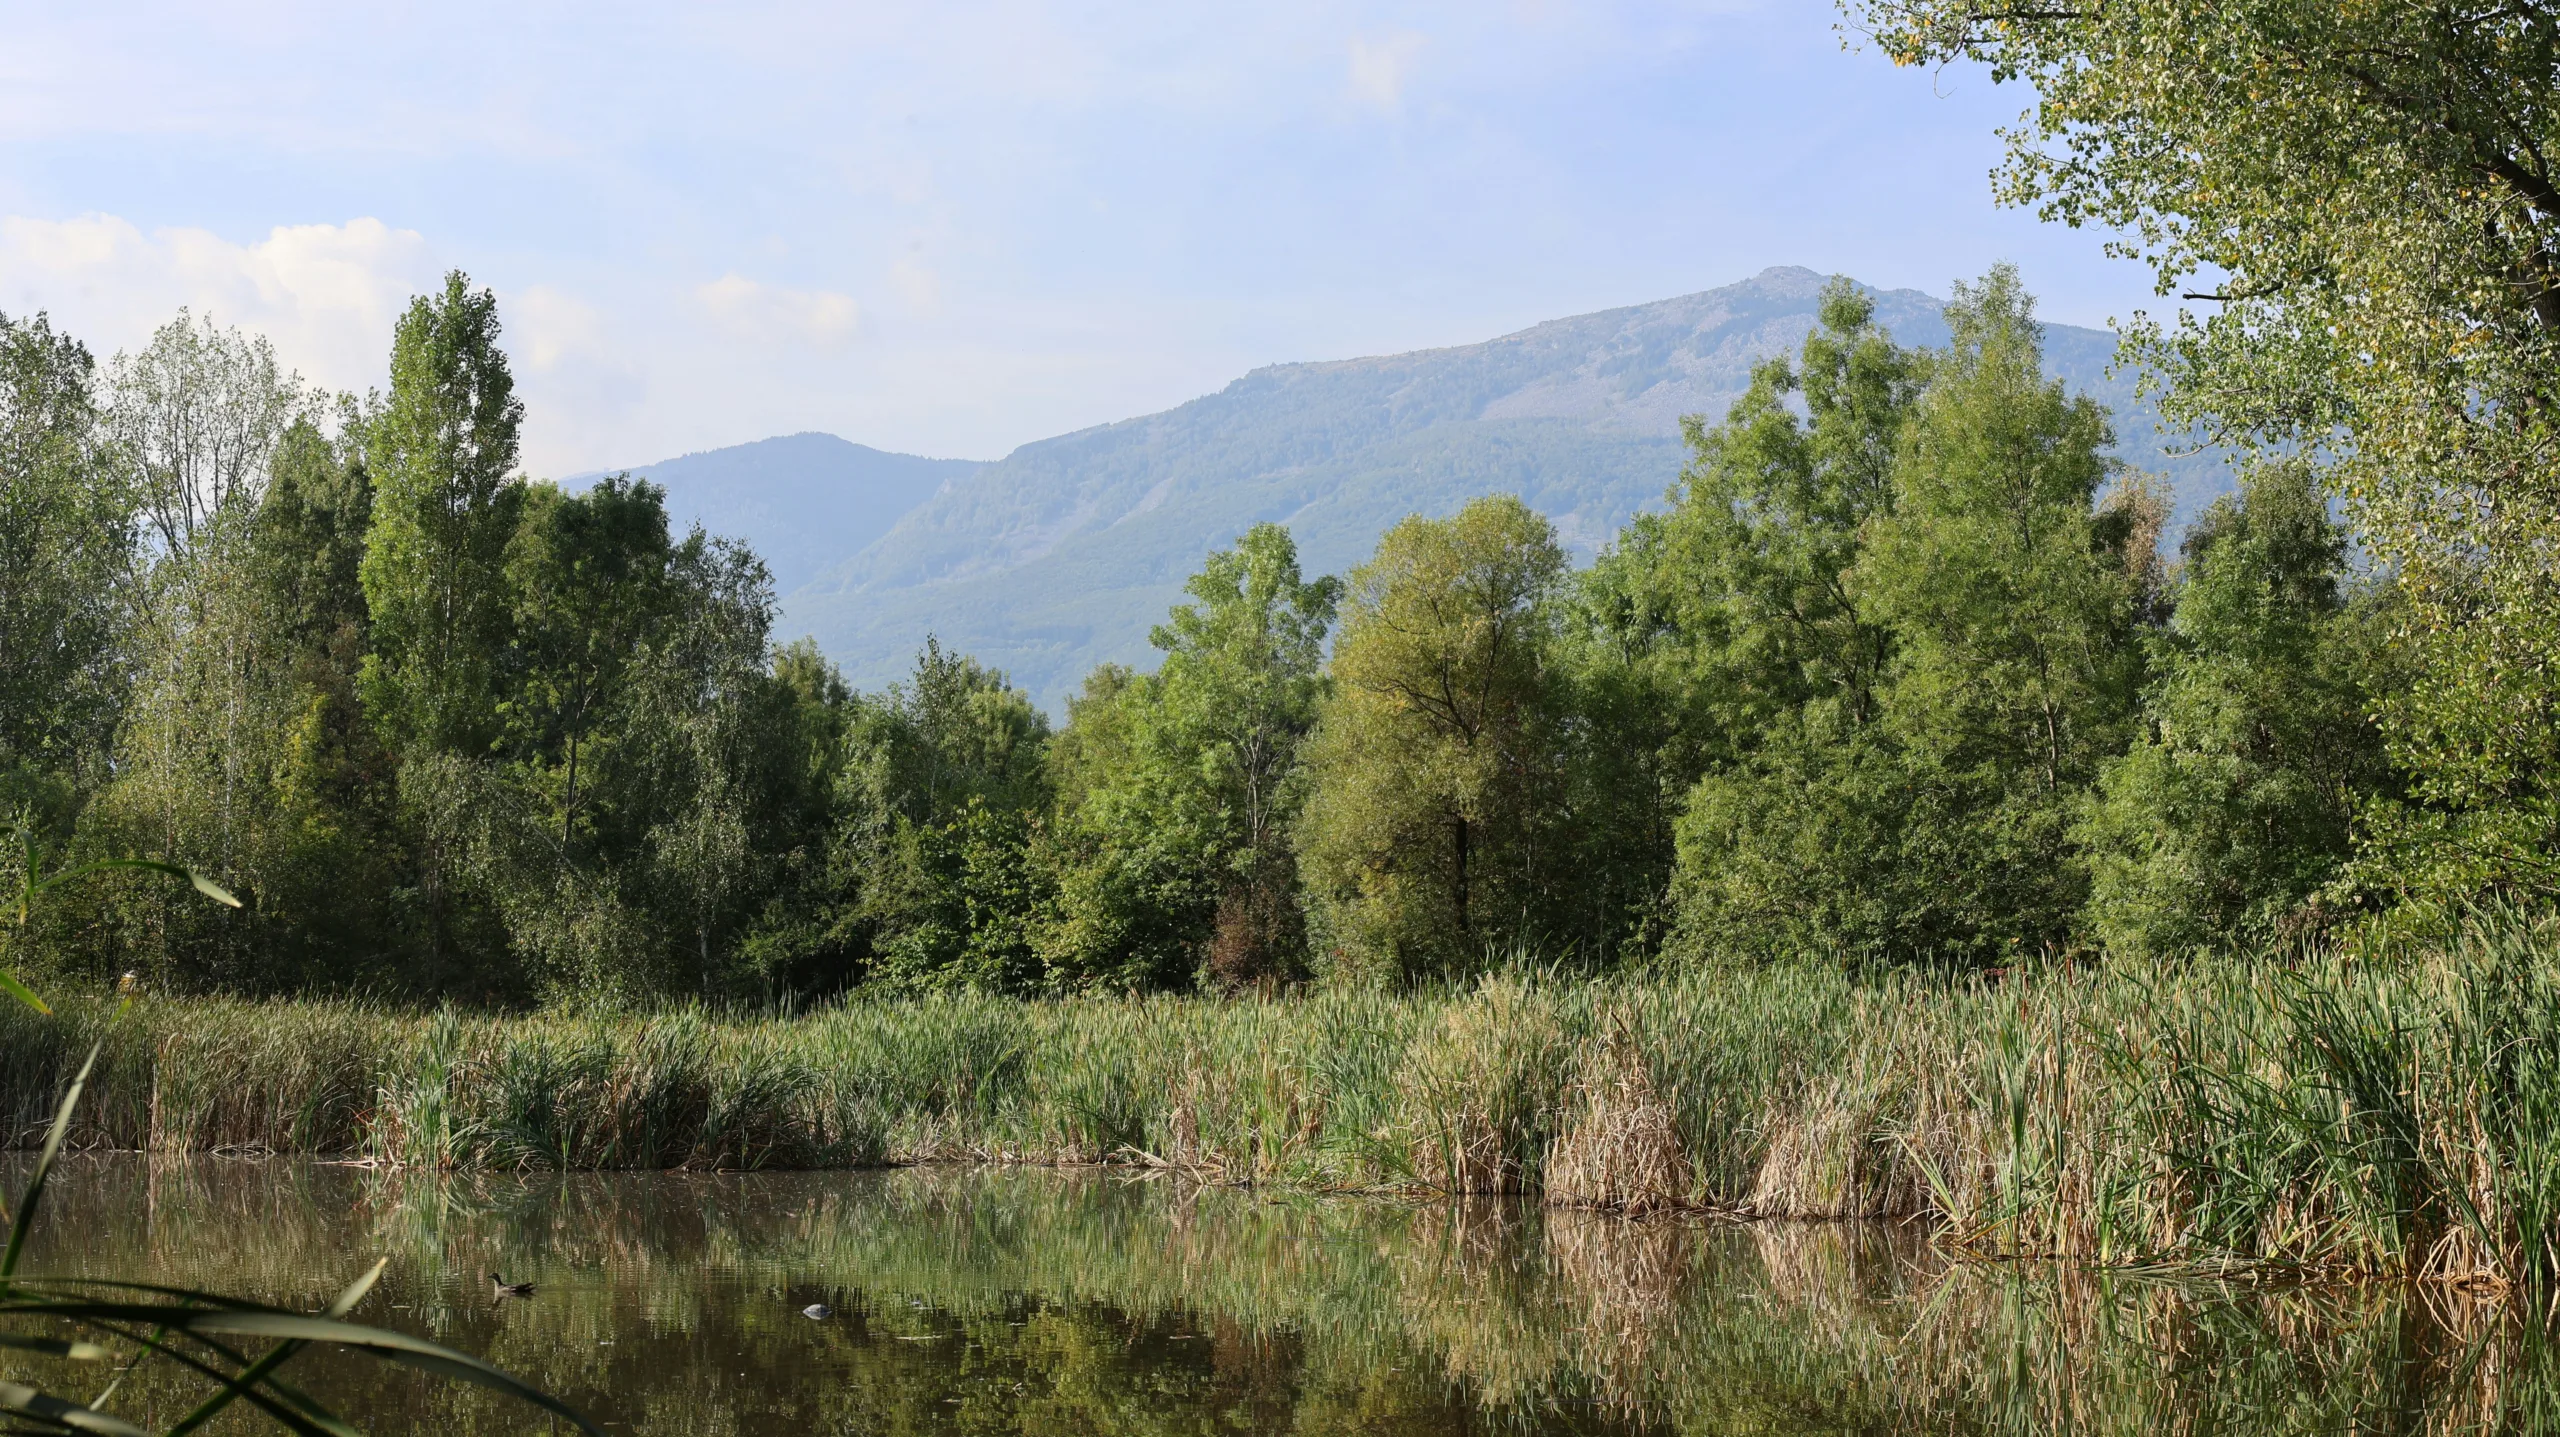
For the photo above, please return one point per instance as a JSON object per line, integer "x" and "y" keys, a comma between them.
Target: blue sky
{"x": 950, "y": 228}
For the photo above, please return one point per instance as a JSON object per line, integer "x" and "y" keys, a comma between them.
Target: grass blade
{"x": 318, "y": 1424}
{"x": 56, "y": 1347}
{"x": 34, "y": 1194}
{"x": 10, "y": 985}
{"x": 284, "y": 1352}
{"x": 55, "y": 1412}
{"x": 380, "y": 1342}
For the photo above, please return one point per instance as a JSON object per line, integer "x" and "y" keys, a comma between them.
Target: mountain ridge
{"x": 804, "y": 501}
{"x": 1064, "y": 553}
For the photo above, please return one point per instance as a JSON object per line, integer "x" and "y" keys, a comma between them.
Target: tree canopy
{"x": 2357, "y": 211}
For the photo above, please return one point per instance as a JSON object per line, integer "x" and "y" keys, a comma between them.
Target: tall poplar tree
{"x": 1915, "y": 802}
{"x": 435, "y": 587}
{"x": 444, "y": 510}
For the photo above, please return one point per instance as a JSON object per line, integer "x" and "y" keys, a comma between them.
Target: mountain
{"x": 802, "y": 501}
{"x": 1062, "y": 554}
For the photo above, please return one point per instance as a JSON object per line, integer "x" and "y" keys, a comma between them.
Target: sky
{"x": 956, "y": 227}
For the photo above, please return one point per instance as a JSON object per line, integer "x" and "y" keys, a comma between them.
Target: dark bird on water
{"x": 500, "y": 1287}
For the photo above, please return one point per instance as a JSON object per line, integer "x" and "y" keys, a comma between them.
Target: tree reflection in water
{"x": 1038, "y": 1301}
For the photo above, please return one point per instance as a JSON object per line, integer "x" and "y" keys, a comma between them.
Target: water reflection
{"x": 1034, "y": 1301}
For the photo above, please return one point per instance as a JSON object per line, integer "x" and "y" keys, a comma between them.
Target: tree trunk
{"x": 1460, "y": 890}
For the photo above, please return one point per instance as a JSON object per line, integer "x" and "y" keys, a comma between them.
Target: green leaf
{"x": 203, "y": 885}
{"x": 10, "y": 985}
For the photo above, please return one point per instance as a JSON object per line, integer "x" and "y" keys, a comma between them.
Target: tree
{"x": 937, "y": 802}
{"x": 957, "y": 731}
{"x": 2364, "y": 202}
{"x": 197, "y": 417}
{"x": 646, "y": 786}
{"x": 1931, "y": 819}
{"x": 809, "y": 934}
{"x": 2012, "y": 606}
{"x": 1714, "y": 631}
{"x": 444, "y": 513}
{"x": 1240, "y": 683}
{"x": 67, "y": 531}
{"x": 1738, "y": 595}
{"x": 434, "y": 575}
{"x": 2235, "y": 808}
{"x": 720, "y": 765}
{"x": 1433, "y": 828}
{"x": 1178, "y": 790}
{"x": 590, "y": 577}
{"x": 326, "y": 906}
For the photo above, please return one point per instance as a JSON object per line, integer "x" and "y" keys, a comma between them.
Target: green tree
{"x": 2012, "y": 604}
{"x": 1434, "y": 827}
{"x": 957, "y": 731}
{"x": 1931, "y": 820}
{"x": 2235, "y": 809}
{"x": 644, "y": 788}
{"x": 590, "y": 577}
{"x": 809, "y": 934}
{"x": 196, "y": 417}
{"x": 444, "y": 513}
{"x": 1738, "y": 594}
{"x": 1716, "y": 630}
{"x": 2363, "y": 204}
{"x": 1178, "y": 790}
{"x": 244, "y": 751}
{"x": 434, "y": 574}
{"x": 937, "y": 807}
{"x": 325, "y": 907}
{"x": 721, "y": 762}
{"x": 67, "y": 534}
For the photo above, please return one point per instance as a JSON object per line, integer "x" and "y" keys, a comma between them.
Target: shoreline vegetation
{"x": 2344, "y": 1115}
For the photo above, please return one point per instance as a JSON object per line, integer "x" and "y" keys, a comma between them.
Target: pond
{"x": 1016, "y": 1300}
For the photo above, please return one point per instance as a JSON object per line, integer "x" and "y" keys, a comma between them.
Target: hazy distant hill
{"x": 1063, "y": 553}
{"x": 804, "y": 501}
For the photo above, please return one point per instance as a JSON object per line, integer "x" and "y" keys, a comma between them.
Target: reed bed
{"x": 2335, "y": 1115}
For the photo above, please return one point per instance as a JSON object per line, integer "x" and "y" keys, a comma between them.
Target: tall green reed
{"x": 2333, "y": 1112}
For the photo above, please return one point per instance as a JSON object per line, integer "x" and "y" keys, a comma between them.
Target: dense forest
{"x": 1897, "y": 675}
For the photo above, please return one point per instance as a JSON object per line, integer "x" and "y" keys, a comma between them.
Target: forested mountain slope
{"x": 802, "y": 501}
{"x": 1063, "y": 554}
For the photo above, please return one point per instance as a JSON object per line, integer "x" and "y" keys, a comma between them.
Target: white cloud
{"x": 548, "y": 326}
{"x": 1380, "y": 67}
{"x": 769, "y": 314}
{"x": 325, "y": 294}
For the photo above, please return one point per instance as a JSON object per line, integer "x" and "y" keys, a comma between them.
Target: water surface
{"x": 1048, "y": 1302}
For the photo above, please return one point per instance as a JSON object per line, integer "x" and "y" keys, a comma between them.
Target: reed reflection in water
{"x": 1041, "y": 1301}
